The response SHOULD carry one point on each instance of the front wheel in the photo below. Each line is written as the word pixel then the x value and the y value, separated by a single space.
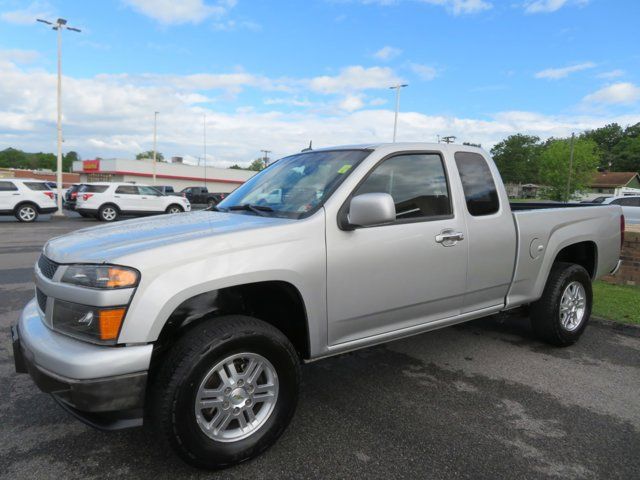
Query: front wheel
pixel 562 313
pixel 174 209
pixel 225 392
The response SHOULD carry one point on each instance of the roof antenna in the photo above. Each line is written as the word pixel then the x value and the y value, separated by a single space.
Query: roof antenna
pixel 309 148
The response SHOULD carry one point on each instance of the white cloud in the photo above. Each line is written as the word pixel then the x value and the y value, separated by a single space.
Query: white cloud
pixel 425 72
pixel 351 103
pixel 548 6
pixel 387 53
pixel 612 74
pixel 18 56
pixel 557 73
pixel 111 115
pixel 617 94
pixel 170 12
pixel 28 15
pixel 353 79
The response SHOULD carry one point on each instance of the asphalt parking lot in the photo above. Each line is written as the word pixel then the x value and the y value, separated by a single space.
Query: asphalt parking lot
pixel 481 400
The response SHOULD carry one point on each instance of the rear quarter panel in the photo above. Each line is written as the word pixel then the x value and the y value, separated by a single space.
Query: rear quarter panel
pixel 556 229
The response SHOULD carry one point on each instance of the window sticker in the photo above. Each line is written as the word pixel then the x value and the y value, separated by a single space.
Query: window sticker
pixel 344 169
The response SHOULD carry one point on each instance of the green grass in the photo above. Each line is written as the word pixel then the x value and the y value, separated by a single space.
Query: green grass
pixel 616 302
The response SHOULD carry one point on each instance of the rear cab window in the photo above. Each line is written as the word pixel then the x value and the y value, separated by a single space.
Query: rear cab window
pixel 480 193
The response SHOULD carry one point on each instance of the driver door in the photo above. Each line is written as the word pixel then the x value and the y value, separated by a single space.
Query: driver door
pixel 399 275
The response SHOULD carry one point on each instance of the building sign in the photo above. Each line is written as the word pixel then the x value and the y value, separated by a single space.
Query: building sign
pixel 91 165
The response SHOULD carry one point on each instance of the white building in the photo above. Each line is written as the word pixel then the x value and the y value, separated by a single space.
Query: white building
pixel 176 174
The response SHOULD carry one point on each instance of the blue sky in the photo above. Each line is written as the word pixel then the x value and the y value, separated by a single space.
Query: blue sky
pixel 275 74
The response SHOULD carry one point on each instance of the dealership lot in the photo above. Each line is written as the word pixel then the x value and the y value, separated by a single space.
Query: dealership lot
pixel 482 400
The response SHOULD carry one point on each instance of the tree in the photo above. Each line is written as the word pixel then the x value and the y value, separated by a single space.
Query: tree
pixel 517 158
pixel 607 138
pixel 149 154
pixel 554 167
pixel 68 159
pixel 257 165
pixel 235 166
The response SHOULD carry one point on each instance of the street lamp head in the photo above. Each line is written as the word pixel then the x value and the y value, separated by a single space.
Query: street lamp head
pixel 61 21
pixel 43 21
pixel 74 29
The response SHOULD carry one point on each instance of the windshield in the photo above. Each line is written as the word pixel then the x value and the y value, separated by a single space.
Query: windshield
pixel 295 186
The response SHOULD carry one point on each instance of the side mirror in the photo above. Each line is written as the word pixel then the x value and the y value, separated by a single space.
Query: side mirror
pixel 371 209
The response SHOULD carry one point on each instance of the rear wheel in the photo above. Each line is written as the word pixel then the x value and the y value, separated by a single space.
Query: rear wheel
pixel 27 213
pixel 174 209
pixel 563 311
pixel 108 213
pixel 225 392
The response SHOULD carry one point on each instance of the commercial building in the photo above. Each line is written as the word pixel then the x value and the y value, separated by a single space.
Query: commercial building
pixel 176 174
pixel 47 175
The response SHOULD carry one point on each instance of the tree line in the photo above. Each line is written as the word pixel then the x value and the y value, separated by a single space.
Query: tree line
pixel 525 159
pixel 14 158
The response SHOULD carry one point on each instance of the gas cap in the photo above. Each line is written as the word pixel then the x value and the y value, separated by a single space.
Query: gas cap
pixel 536 248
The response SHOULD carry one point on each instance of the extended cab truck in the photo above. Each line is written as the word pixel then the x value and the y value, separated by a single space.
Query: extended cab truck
pixel 198 322
pixel 202 196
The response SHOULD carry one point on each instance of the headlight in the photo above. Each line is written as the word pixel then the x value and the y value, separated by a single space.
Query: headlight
pixel 98 325
pixel 101 276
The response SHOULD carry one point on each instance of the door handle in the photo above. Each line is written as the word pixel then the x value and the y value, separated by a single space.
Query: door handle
pixel 144 198
pixel 448 238
pixel 116 196
pixel 15 194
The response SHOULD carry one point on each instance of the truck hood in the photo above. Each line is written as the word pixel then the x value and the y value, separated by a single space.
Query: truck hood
pixel 105 243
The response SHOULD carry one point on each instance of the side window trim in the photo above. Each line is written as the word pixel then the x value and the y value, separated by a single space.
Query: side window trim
pixel 344 209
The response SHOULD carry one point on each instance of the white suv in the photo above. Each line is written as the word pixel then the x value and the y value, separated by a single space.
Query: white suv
pixel 107 201
pixel 26 199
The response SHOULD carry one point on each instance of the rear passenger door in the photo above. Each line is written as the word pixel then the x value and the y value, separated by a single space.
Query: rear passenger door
pixel 127 198
pixel 9 195
pixel 407 273
pixel 491 233
pixel 151 199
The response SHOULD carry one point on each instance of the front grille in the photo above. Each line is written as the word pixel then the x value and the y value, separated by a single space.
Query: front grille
pixel 47 267
pixel 42 299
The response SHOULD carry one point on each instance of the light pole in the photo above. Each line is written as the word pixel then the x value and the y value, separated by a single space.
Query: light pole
pixel 59 25
pixel 266 157
pixel 204 144
pixel 395 120
pixel 155 131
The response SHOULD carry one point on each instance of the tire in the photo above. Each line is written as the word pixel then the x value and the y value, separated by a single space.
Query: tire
pixel 571 284
pixel 173 411
pixel 108 213
pixel 211 203
pixel 27 213
pixel 173 208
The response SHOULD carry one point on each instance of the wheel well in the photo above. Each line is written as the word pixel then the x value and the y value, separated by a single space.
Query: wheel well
pixel 583 253
pixel 109 204
pixel 277 303
pixel 26 202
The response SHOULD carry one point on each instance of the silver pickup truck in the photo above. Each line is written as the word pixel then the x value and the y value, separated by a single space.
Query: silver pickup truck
pixel 198 322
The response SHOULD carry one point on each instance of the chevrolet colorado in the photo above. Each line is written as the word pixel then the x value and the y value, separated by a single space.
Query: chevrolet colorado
pixel 198 322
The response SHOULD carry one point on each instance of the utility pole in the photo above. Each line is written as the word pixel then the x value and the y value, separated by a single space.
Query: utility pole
pixel 573 136
pixel 59 25
pixel 395 120
pixel 204 144
pixel 155 130
pixel 265 159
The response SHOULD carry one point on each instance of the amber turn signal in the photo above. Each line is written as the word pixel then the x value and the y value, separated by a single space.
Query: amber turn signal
pixel 110 321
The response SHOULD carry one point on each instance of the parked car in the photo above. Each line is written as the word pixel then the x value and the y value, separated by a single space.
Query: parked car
pixel 69 199
pixel 199 323
pixel 168 190
pixel 630 206
pixel 108 201
pixel 26 199
pixel 202 196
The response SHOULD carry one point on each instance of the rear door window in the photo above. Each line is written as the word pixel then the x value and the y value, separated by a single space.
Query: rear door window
pixel 7 187
pixel 127 189
pixel 93 188
pixel 480 191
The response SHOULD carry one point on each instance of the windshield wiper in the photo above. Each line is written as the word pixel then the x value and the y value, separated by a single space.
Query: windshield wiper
pixel 257 209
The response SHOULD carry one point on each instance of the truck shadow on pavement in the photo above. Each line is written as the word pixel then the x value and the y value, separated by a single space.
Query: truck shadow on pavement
pixel 409 409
